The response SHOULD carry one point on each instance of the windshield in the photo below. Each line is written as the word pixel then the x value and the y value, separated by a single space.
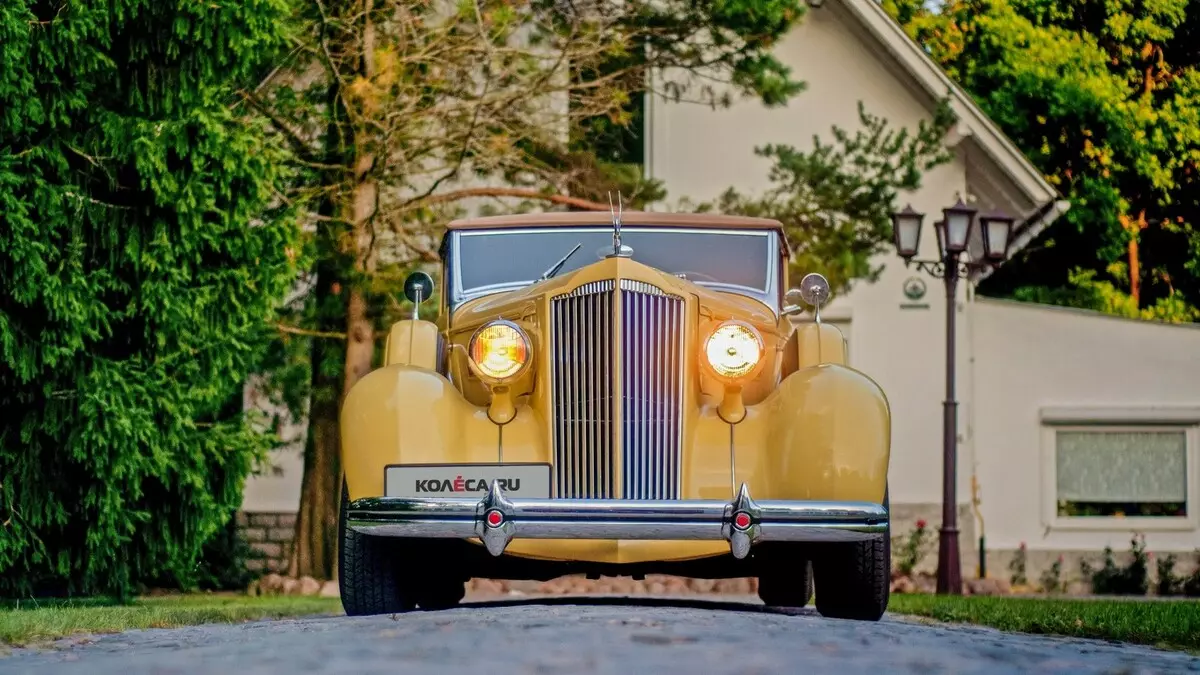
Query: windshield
pixel 741 261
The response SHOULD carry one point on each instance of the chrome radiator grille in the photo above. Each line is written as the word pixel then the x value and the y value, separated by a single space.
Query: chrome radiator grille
pixel 651 391
pixel 587 431
pixel 581 338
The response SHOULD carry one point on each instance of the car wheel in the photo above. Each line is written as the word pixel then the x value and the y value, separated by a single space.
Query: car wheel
pixel 368 578
pixel 786 582
pixel 854 579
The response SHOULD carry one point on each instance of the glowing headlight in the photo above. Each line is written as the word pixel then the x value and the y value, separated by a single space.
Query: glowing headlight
pixel 499 350
pixel 733 350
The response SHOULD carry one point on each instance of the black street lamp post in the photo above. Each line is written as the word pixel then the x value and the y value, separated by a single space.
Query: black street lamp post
pixel 953 235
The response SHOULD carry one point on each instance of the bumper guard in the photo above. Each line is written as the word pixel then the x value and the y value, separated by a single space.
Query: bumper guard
pixel 497 520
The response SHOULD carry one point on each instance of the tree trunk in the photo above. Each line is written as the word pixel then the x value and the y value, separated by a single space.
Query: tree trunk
pixel 316 544
pixel 1135 227
pixel 314 548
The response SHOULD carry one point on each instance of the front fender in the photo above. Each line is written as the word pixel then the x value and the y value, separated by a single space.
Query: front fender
pixel 406 414
pixel 828 436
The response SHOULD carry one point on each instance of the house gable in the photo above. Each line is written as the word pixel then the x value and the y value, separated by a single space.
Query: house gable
pixel 847 51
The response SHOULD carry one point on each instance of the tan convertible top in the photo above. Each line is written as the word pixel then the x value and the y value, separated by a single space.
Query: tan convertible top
pixel 698 220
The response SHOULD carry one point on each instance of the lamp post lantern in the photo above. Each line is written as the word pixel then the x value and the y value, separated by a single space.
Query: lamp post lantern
pixel 953 236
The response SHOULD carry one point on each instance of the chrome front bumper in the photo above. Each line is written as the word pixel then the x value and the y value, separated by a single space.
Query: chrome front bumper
pixel 497 520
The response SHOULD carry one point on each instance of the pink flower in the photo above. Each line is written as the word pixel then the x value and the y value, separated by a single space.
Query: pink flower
pixel 921 524
pixel 1060 560
pixel 1022 546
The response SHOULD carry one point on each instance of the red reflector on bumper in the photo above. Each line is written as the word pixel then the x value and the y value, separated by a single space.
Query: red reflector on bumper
pixel 494 518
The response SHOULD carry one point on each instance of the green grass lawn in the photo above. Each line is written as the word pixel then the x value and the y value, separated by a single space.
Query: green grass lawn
pixel 1173 624
pixel 29 621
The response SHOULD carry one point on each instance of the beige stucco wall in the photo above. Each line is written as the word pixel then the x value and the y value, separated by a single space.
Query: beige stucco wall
pixel 1032 360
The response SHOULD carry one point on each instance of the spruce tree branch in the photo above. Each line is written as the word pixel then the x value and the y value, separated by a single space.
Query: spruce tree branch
pixel 301 147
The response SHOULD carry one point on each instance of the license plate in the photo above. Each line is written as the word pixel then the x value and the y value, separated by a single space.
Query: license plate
pixel 467 480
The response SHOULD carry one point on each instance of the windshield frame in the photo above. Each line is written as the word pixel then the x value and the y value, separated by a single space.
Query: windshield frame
pixel 769 294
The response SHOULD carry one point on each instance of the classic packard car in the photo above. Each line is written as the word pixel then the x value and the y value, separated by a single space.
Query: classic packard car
pixel 600 397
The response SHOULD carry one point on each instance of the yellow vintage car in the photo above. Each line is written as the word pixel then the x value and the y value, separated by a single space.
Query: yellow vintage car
pixel 616 394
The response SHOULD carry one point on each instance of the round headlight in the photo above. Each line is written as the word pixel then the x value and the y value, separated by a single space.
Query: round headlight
pixel 499 350
pixel 733 350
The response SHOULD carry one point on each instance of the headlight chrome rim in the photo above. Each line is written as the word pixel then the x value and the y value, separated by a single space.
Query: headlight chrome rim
pixel 480 370
pixel 745 373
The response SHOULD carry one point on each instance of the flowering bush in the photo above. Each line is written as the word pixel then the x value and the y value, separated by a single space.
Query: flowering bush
pixel 1017 567
pixel 913 548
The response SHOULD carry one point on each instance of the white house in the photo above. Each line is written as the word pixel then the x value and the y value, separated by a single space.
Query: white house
pixel 1055 405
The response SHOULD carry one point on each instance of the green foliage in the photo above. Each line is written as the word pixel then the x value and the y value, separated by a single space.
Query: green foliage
pixel 1105 99
pixel 835 200
pixel 1169 583
pixel 222 565
pixel 1113 579
pixel 141 258
pixel 1051 579
pixel 1086 292
pixel 912 548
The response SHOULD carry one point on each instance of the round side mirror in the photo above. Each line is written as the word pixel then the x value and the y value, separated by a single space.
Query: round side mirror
pixel 418 287
pixel 814 289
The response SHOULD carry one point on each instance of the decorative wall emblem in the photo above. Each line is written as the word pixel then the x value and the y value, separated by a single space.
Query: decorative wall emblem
pixel 914 288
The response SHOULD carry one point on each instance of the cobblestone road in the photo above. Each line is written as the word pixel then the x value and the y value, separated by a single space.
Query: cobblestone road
pixel 615 636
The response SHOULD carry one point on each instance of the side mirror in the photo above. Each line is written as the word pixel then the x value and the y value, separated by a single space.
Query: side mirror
pixel 814 291
pixel 418 288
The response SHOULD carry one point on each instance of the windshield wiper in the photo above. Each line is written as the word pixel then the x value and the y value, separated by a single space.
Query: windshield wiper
pixel 558 265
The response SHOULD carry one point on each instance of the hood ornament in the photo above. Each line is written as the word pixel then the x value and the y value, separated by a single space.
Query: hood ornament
pixel 619 250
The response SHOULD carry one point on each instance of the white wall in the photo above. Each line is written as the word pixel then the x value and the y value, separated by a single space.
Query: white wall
pixel 276 488
pixel 1031 357
pixel 699 152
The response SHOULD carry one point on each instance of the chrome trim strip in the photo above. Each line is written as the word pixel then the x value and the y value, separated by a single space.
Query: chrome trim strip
pixel 769 294
pixel 772 520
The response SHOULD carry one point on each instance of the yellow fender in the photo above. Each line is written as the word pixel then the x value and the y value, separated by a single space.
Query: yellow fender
pixel 828 430
pixel 413 415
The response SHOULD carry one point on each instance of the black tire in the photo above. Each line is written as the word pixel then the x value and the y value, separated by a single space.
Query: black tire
pixel 787 581
pixel 368 576
pixel 854 579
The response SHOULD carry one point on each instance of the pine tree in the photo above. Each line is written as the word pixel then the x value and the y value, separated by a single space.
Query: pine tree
pixel 142 253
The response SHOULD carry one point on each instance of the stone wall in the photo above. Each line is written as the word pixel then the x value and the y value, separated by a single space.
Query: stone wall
pixel 270 536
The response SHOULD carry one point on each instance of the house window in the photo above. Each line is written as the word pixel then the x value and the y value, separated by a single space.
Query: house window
pixel 1121 472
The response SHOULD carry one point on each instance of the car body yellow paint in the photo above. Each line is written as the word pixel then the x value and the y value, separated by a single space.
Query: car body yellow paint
pixel 817 430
